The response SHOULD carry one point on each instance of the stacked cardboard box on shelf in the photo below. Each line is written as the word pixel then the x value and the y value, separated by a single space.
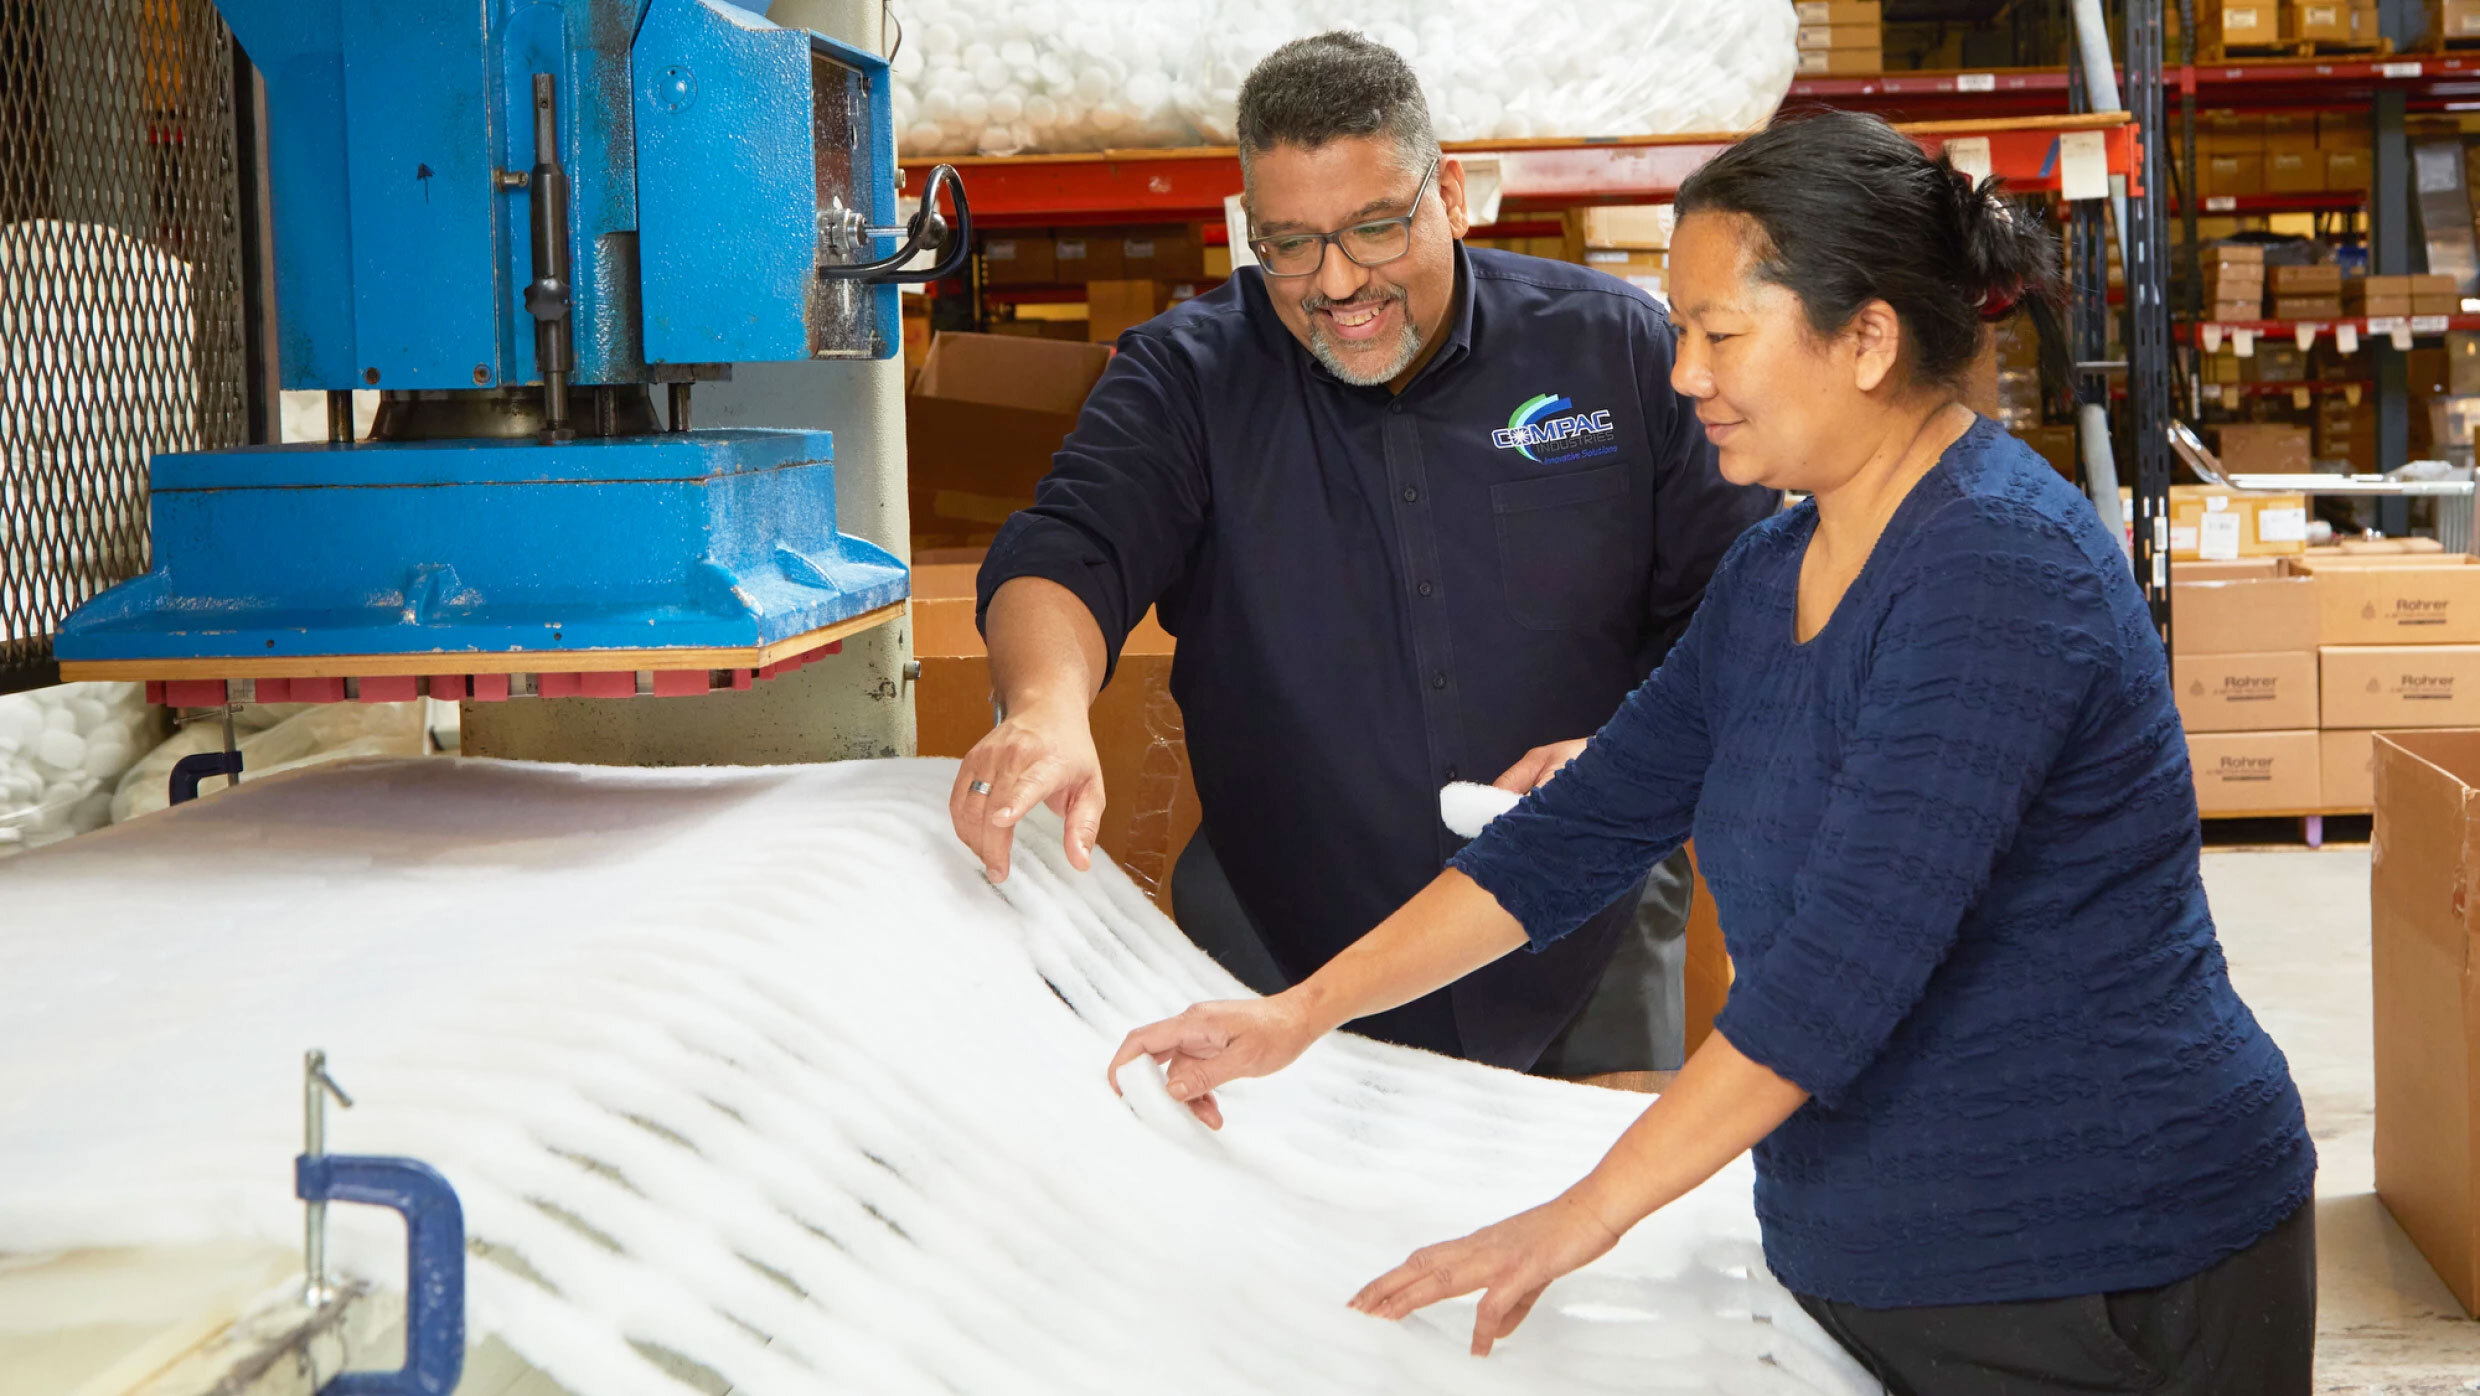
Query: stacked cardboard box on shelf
pixel 2230 153
pixel 2398 648
pixel 2239 23
pixel 1629 241
pixel 2234 287
pixel 1841 38
pixel 2344 138
pixel 2243 637
pixel 2458 19
pixel 2307 293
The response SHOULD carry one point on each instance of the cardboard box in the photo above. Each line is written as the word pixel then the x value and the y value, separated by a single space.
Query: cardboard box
pixel 2055 445
pixel 2324 310
pixel 2295 171
pixel 2222 310
pixel 2392 686
pixel 2324 279
pixel 2245 569
pixel 2241 21
pixel 1832 36
pixel 2211 524
pixel 1841 62
pixel 2323 21
pixel 2460 19
pixel 2242 614
pixel 2347 768
pixel 981 422
pixel 2463 363
pixel 2255 448
pixel 1151 801
pixel 2234 173
pixel 2231 132
pixel 2290 131
pixel 1082 257
pixel 1169 253
pixel 2405 600
pixel 2255 772
pixel 1839 11
pixel 2346 169
pixel 1019 260
pixel 1633 227
pixel 2425 965
pixel 2226 255
pixel 1112 308
pixel 2247 692
pixel 2343 130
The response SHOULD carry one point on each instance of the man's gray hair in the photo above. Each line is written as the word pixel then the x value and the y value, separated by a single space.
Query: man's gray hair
pixel 1333 85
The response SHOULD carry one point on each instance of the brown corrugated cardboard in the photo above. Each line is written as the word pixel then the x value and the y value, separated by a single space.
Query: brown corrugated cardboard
pixel 2236 173
pixel 2393 686
pixel 1841 62
pixel 2396 601
pixel 2347 768
pixel 2295 171
pixel 2265 447
pixel 2245 569
pixel 1839 11
pixel 2321 280
pixel 2247 692
pixel 2343 130
pixel 2321 309
pixel 1019 260
pixel 2254 772
pixel 1633 227
pixel 2253 615
pixel 1169 253
pixel 2234 254
pixel 1150 803
pixel 2323 21
pixel 1086 256
pixel 1831 36
pixel 981 421
pixel 2346 169
pixel 2211 524
pixel 2424 857
pixel 2241 21
pixel 2460 19
pixel 1112 308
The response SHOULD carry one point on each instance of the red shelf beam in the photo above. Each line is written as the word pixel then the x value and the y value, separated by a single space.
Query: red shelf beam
pixel 1166 186
pixel 2429 82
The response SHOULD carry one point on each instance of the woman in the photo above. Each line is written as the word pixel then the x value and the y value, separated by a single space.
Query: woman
pixel 2013 1129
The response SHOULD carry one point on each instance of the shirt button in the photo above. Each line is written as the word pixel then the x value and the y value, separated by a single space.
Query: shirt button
pixel 1426 588
pixel 1439 679
pixel 1411 495
pixel 1451 775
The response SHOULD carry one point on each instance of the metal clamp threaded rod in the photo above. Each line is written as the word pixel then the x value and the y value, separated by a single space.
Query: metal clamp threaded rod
pixel 316 1086
pixel 547 296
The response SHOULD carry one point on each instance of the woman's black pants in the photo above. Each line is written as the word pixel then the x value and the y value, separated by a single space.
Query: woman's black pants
pixel 2245 1326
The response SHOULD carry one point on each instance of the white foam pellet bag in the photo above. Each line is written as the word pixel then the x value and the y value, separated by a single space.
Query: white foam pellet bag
pixel 59 749
pixel 1127 73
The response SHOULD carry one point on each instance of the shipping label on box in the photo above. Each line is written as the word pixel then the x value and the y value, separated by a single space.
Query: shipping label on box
pixel 2324 22
pixel 2247 692
pixel 2420 603
pixel 2392 686
pixel 2255 772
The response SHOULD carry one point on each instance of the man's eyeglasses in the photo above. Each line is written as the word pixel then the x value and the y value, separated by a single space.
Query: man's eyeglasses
pixel 1370 244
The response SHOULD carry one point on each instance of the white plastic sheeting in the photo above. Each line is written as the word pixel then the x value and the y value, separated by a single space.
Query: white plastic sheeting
pixel 991 78
pixel 749 1081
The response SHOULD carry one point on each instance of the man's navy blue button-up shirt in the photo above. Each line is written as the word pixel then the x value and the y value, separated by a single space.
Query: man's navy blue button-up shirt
pixel 1378 593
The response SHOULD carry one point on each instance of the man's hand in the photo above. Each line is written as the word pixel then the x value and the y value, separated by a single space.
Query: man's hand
pixel 1215 1043
pixel 1536 768
pixel 1512 1262
pixel 1035 757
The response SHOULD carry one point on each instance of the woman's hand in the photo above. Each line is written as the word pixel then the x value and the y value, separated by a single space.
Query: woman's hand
pixel 1536 767
pixel 1215 1043
pixel 1512 1262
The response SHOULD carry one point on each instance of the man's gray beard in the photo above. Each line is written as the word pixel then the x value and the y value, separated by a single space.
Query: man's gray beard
pixel 1407 348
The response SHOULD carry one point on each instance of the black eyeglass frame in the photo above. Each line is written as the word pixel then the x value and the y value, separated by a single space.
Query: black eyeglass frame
pixel 1265 262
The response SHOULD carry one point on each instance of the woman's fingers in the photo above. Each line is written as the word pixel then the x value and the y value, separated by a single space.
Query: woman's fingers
pixel 1429 1276
pixel 1502 1309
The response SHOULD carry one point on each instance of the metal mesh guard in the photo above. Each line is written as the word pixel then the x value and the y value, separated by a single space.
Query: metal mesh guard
pixel 120 294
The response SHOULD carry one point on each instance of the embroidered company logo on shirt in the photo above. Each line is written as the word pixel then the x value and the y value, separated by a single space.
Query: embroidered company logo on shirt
pixel 1551 422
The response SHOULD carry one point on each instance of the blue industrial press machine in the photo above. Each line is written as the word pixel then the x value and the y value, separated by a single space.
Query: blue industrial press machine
pixel 512 218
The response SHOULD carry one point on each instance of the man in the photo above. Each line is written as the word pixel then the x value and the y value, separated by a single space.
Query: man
pixel 1414 512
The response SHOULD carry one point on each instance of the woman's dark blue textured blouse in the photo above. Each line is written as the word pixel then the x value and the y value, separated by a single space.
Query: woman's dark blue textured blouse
pixel 1953 841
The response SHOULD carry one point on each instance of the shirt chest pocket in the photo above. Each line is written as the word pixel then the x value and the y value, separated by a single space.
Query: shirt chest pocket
pixel 1568 547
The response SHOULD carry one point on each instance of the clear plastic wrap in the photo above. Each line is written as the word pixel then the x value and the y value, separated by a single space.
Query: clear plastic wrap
pixel 979 77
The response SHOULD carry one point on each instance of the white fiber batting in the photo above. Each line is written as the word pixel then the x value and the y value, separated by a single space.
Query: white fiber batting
pixel 750 1073
pixel 992 78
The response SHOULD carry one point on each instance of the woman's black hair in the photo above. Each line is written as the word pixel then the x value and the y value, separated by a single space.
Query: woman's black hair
pixel 1851 211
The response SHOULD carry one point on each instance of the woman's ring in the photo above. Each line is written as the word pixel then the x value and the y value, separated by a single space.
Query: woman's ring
pixel 979 787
